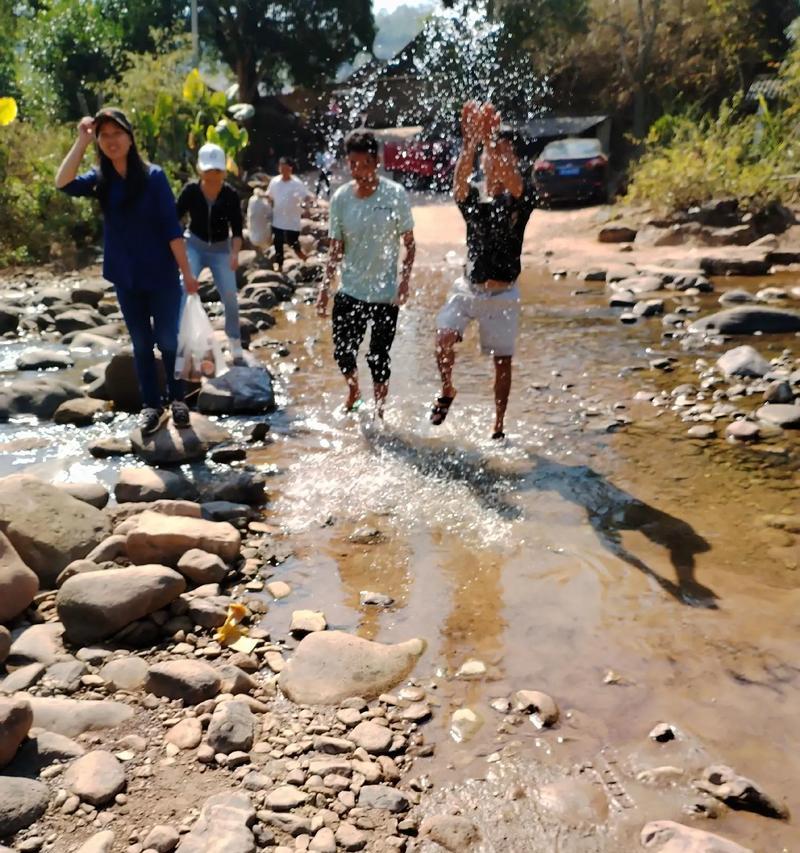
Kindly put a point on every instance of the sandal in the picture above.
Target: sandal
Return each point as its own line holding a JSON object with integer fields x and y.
{"x": 440, "y": 409}
{"x": 498, "y": 436}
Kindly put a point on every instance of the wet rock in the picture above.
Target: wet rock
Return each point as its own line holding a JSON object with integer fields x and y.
{"x": 331, "y": 666}
{"x": 122, "y": 385}
{"x": 81, "y": 411}
{"x": 40, "y": 396}
{"x": 73, "y": 717}
{"x": 617, "y": 233}
{"x": 367, "y": 536}
{"x": 666, "y": 836}
{"x": 450, "y": 831}
{"x": 186, "y": 734}
{"x": 96, "y": 778}
{"x": 747, "y": 320}
{"x": 137, "y": 485}
{"x": 193, "y": 681}
{"x": 202, "y": 567}
{"x": 232, "y": 728}
{"x": 37, "y": 644}
{"x": 97, "y": 605}
{"x": 471, "y": 669}
{"x": 382, "y": 797}
{"x": 9, "y": 319}
{"x": 245, "y": 487}
{"x": 22, "y": 802}
{"x": 780, "y": 414}
{"x": 736, "y": 297}
{"x": 162, "y": 839}
{"x": 94, "y": 494}
{"x": 371, "y": 737}
{"x": 649, "y": 308}
{"x": 739, "y": 792}
{"x": 541, "y": 707}
{"x": 779, "y": 391}
{"x": 127, "y": 673}
{"x": 663, "y": 733}
{"x": 16, "y": 719}
{"x": 163, "y": 538}
{"x": 742, "y": 430}
{"x": 285, "y": 798}
{"x": 464, "y": 724}
{"x": 242, "y": 390}
{"x": 700, "y": 431}
{"x": 44, "y": 359}
{"x": 368, "y": 598}
{"x": 77, "y": 320}
{"x": 279, "y": 589}
{"x": 224, "y": 511}
{"x": 307, "y": 621}
{"x": 102, "y": 842}
{"x": 743, "y": 361}
{"x": 18, "y": 584}
{"x": 109, "y": 446}
{"x": 48, "y": 528}
{"x": 173, "y": 446}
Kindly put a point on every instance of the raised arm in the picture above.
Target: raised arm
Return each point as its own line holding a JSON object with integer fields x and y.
{"x": 471, "y": 122}
{"x": 68, "y": 170}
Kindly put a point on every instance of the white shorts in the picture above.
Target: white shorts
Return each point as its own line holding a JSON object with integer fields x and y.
{"x": 497, "y": 314}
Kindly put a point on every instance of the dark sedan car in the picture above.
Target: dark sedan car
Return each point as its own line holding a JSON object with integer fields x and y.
{"x": 572, "y": 170}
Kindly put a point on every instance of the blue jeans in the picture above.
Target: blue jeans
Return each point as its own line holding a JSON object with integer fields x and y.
{"x": 152, "y": 318}
{"x": 224, "y": 279}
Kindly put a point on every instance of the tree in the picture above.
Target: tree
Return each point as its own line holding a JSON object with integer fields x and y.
{"x": 303, "y": 40}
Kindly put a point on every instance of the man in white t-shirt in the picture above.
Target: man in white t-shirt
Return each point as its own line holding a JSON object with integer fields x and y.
{"x": 288, "y": 195}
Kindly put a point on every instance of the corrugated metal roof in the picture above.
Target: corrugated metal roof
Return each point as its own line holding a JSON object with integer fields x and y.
{"x": 546, "y": 127}
{"x": 770, "y": 88}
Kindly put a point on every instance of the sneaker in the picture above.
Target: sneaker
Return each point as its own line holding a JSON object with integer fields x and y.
{"x": 151, "y": 420}
{"x": 180, "y": 414}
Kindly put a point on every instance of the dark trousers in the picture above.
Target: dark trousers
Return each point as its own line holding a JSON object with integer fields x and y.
{"x": 324, "y": 178}
{"x": 350, "y": 317}
{"x": 152, "y": 318}
{"x": 281, "y": 237}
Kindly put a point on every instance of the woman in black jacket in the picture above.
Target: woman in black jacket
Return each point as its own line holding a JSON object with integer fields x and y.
{"x": 214, "y": 236}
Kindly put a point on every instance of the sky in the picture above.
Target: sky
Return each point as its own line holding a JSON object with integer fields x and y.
{"x": 391, "y": 5}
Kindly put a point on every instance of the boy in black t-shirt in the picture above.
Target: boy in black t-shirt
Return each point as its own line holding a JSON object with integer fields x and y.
{"x": 496, "y": 214}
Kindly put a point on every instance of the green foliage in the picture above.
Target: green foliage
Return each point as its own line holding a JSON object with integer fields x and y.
{"x": 305, "y": 40}
{"x": 35, "y": 218}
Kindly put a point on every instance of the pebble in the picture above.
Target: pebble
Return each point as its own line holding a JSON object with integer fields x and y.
{"x": 372, "y": 737}
{"x": 279, "y": 589}
{"x": 308, "y": 622}
{"x": 471, "y": 669}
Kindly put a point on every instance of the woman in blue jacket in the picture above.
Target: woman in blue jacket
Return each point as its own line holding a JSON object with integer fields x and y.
{"x": 144, "y": 251}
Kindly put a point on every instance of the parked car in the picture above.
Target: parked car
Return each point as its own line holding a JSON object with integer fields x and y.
{"x": 572, "y": 169}
{"x": 424, "y": 160}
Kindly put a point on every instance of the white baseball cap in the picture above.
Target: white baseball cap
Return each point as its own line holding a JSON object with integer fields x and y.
{"x": 211, "y": 156}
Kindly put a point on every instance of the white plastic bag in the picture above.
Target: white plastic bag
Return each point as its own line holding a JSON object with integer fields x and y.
{"x": 259, "y": 221}
{"x": 199, "y": 354}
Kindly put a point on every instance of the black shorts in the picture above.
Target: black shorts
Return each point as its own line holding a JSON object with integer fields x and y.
{"x": 350, "y": 318}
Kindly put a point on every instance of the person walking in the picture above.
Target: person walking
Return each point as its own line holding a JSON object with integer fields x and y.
{"x": 370, "y": 216}
{"x": 144, "y": 251}
{"x": 287, "y": 194}
{"x": 324, "y": 160}
{"x": 214, "y": 235}
{"x": 496, "y": 213}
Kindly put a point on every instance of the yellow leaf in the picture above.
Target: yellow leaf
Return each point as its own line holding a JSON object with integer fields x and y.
{"x": 8, "y": 111}
{"x": 232, "y": 167}
{"x": 193, "y": 86}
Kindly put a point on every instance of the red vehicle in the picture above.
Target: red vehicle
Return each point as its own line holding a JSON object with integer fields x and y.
{"x": 419, "y": 161}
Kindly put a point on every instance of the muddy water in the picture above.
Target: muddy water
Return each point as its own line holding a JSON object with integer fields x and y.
{"x": 582, "y": 551}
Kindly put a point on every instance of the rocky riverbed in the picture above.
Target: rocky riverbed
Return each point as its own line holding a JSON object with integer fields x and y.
{"x": 137, "y": 715}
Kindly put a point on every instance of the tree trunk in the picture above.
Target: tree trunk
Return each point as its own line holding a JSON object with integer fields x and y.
{"x": 641, "y": 121}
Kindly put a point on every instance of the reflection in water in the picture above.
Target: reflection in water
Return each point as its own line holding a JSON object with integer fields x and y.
{"x": 609, "y": 509}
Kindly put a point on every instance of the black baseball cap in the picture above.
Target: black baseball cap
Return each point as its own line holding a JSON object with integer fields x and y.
{"x": 117, "y": 116}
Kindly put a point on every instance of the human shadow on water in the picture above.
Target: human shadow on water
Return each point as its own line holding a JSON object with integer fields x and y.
{"x": 609, "y": 509}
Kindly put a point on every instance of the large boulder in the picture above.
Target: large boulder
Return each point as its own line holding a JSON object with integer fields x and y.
{"x": 18, "y": 584}
{"x": 747, "y": 320}
{"x": 73, "y": 717}
{"x": 786, "y": 415}
{"x": 80, "y": 412}
{"x": 40, "y": 396}
{"x": 330, "y": 666}
{"x": 9, "y": 319}
{"x": 191, "y": 681}
{"x": 121, "y": 383}
{"x": 224, "y": 825}
{"x": 148, "y": 484}
{"x": 16, "y": 719}
{"x": 242, "y": 390}
{"x": 22, "y": 801}
{"x": 96, "y": 605}
{"x": 44, "y": 359}
{"x": 47, "y": 527}
{"x": 743, "y": 361}
{"x": 78, "y": 320}
{"x": 173, "y": 446}
{"x": 96, "y": 777}
{"x": 166, "y": 538}
{"x": 232, "y": 728}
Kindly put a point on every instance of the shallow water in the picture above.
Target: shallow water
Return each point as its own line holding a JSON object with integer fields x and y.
{"x": 581, "y": 546}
